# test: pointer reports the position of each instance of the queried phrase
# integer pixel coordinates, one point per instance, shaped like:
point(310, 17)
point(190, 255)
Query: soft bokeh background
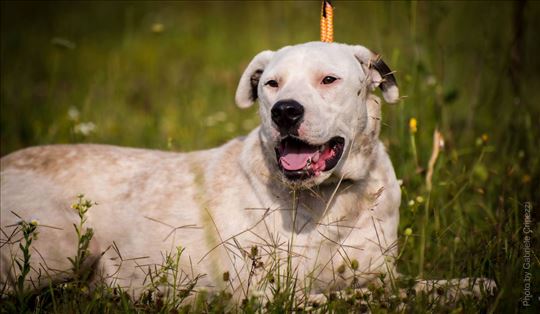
point(163, 75)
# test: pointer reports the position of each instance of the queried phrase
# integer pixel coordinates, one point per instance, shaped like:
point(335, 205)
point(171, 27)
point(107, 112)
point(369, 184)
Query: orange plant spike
point(327, 22)
point(323, 28)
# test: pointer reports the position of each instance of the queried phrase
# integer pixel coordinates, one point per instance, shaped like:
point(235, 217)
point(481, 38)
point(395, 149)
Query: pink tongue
point(296, 158)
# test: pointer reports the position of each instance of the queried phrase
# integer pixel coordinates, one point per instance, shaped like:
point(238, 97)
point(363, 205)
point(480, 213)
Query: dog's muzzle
point(299, 160)
point(287, 115)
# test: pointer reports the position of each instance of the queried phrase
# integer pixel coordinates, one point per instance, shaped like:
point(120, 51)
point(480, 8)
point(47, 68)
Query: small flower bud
point(408, 232)
point(254, 251)
point(354, 264)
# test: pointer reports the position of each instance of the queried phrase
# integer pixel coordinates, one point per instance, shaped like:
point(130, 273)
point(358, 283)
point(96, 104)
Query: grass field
point(163, 75)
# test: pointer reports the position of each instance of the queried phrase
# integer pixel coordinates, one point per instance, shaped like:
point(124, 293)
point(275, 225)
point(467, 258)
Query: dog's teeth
point(308, 164)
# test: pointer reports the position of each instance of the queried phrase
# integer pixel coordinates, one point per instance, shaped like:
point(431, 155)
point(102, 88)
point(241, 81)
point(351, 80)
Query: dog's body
point(216, 191)
point(312, 183)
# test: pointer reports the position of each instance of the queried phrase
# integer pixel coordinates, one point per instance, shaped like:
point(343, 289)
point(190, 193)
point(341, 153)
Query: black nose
point(287, 115)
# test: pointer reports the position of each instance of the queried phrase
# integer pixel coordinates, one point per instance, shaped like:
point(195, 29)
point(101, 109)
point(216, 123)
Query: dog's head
point(314, 105)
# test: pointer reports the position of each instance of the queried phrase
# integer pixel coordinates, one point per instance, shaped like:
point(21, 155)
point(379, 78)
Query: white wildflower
point(431, 80)
point(210, 121)
point(84, 128)
point(220, 116)
point(73, 113)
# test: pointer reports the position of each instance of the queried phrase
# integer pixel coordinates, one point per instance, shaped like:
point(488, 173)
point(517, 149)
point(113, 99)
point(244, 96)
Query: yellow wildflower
point(158, 28)
point(485, 137)
point(412, 125)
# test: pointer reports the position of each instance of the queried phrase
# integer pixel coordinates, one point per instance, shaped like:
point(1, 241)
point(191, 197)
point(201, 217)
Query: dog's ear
point(379, 74)
point(246, 93)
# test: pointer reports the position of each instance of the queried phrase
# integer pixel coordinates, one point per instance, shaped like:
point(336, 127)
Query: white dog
point(311, 192)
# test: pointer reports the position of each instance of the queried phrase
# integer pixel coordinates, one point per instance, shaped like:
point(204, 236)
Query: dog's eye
point(272, 83)
point(328, 80)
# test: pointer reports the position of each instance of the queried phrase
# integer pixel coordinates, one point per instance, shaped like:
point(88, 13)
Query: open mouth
point(300, 160)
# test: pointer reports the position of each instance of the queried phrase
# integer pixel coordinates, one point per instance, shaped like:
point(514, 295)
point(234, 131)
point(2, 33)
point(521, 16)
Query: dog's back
point(40, 184)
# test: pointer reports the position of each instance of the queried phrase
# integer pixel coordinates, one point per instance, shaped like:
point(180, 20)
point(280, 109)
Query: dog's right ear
point(246, 93)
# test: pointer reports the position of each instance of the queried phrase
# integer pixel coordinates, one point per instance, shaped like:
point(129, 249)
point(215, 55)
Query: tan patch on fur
point(43, 159)
point(211, 235)
point(222, 171)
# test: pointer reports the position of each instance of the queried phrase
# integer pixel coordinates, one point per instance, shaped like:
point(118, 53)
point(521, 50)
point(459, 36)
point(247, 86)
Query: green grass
point(462, 66)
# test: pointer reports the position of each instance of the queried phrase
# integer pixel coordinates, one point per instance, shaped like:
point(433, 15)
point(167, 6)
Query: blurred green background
point(163, 75)
point(148, 73)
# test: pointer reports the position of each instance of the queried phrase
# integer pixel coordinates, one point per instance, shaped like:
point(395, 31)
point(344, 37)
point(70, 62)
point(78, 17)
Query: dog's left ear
point(379, 74)
point(246, 92)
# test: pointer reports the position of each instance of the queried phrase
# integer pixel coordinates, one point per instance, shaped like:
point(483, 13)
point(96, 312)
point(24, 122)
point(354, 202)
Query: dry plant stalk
point(438, 143)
